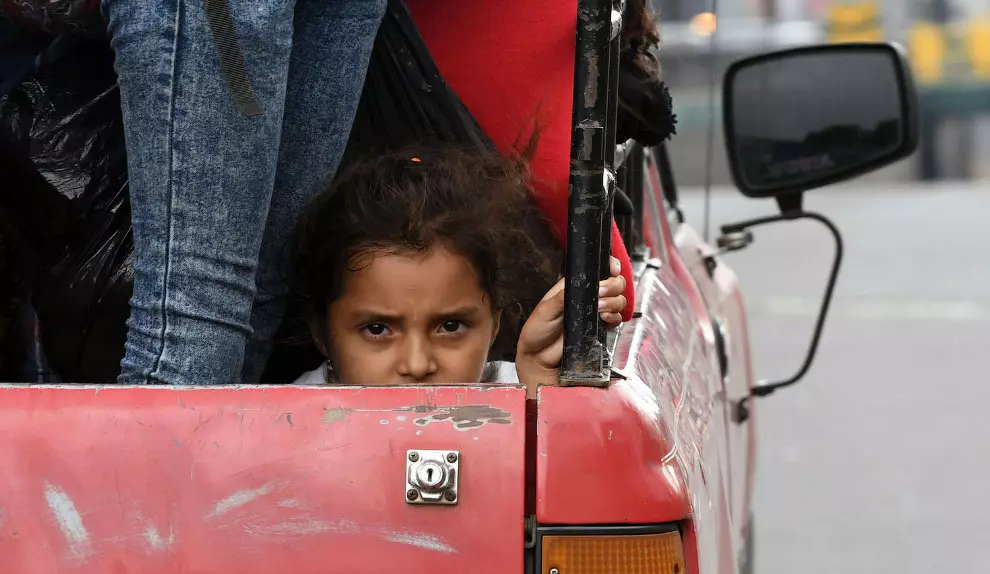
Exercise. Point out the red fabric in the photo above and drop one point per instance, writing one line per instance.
(512, 62)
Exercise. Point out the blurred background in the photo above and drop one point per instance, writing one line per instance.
(877, 461)
(948, 40)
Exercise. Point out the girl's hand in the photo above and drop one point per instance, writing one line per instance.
(541, 342)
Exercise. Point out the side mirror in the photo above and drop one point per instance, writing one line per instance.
(803, 118)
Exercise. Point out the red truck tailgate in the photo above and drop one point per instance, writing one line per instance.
(265, 479)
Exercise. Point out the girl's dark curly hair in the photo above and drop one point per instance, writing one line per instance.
(640, 38)
(478, 205)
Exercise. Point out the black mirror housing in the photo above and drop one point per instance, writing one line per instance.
(803, 118)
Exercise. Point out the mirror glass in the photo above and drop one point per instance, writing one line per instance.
(804, 117)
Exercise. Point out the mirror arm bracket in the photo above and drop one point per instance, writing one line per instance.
(789, 213)
(790, 203)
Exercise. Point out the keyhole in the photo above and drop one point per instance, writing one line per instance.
(431, 475)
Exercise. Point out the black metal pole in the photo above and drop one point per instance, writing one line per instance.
(611, 112)
(582, 359)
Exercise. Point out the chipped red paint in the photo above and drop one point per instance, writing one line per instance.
(255, 480)
(655, 446)
(724, 300)
(650, 448)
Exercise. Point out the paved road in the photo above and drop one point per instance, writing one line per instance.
(880, 460)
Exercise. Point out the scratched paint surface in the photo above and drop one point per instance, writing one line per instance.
(652, 451)
(255, 480)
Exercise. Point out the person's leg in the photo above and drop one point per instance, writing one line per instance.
(203, 90)
(331, 47)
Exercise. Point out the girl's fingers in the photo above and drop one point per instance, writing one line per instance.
(556, 289)
(610, 298)
(555, 352)
(614, 266)
(612, 319)
(612, 304)
(612, 286)
(551, 307)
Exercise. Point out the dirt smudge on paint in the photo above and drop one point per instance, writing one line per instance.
(335, 414)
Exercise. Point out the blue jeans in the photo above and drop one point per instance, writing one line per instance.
(236, 114)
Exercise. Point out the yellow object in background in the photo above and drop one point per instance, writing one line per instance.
(928, 46)
(854, 22)
(978, 47)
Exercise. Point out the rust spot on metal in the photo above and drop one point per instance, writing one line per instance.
(468, 416)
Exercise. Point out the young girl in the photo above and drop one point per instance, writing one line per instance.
(412, 264)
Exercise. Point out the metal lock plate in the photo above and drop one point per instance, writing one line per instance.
(431, 476)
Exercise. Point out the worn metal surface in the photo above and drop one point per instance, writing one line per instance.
(255, 480)
(720, 287)
(587, 194)
(655, 448)
(653, 451)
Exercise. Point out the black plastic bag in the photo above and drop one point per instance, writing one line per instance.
(405, 99)
(65, 187)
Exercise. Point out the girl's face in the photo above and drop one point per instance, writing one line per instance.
(417, 318)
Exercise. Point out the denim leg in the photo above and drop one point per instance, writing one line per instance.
(202, 173)
(331, 47)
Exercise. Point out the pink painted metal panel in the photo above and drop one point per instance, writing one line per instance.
(255, 480)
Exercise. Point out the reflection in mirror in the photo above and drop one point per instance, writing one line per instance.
(808, 116)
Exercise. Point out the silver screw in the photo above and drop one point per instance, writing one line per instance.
(452, 457)
(554, 571)
(413, 456)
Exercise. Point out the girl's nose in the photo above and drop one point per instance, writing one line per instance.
(417, 361)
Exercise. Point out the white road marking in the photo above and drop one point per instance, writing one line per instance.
(896, 309)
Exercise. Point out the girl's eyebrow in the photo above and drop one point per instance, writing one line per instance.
(468, 311)
(372, 316)
(369, 316)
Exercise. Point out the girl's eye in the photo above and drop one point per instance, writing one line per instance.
(452, 326)
(376, 329)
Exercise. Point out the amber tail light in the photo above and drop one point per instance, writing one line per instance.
(603, 553)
